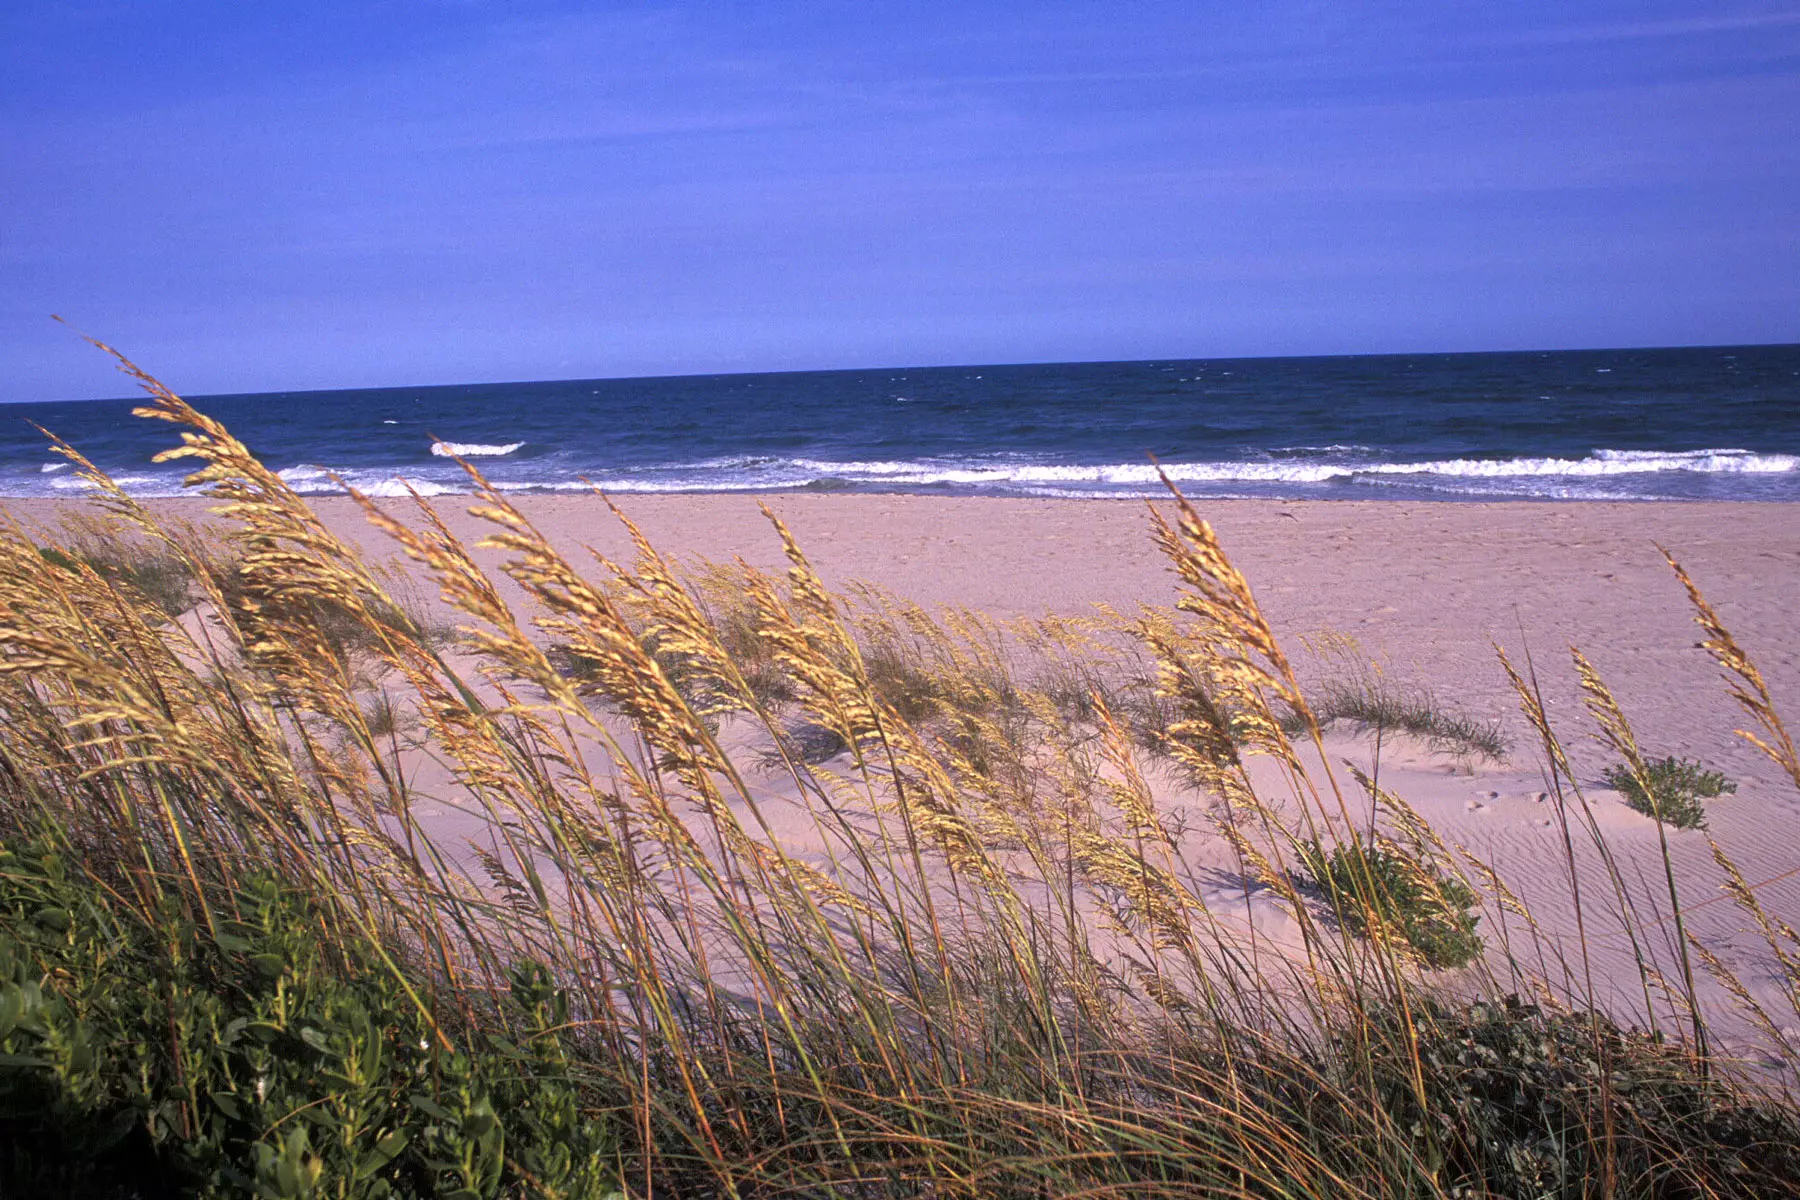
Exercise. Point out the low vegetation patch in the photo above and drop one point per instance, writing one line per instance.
(1510, 1089)
(1378, 886)
(1388, 709)
(1355, 691)
(147, 1051)
(1671, 790)
(350, 637)
(153, 572)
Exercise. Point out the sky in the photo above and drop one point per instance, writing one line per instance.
(279, 196)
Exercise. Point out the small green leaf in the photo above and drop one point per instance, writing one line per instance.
(384, 1152)
(429, 1107)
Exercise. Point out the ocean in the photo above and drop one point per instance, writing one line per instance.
(1718, 423)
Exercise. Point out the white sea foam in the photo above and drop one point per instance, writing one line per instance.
(1542, 477)
(1603, 474)
(473, 449)
(396, 487)
(1599, 463)
(137, 485)
(1603, 462)
(309, 479)
(51, 468)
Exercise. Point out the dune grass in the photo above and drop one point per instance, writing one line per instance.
(1416, 713)
(1356, 692)
(147, 569)
(987, 972)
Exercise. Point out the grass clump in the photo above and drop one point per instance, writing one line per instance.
(1357, 692)
(148, 570)
(351, 634)
(1380, 706)
(1670, 789)
(146, 1050)
(1379, 887)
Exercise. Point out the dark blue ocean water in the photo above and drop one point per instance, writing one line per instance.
(1719, 423)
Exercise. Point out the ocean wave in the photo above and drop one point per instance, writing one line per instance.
(473, 449)
(1602, 462)
(979, 473)
(51, 468)
(1342, 471)
(137, 485)
(308, 479)
(1545, 477)
(399, 487)
(1599, 463)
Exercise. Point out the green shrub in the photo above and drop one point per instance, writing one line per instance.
(142, 1055)
(1428, 909)
(1524, 1101)
(1677, 786)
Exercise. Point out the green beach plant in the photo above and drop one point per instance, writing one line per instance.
(146, 1053)
(1416, 713)
(1670, 789)
(1379, 886)
(1357, 692)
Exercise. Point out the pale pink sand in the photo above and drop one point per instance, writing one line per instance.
(1426, 589)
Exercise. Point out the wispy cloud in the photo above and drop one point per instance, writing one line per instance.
(1640, 30)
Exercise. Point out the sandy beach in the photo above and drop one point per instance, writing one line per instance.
(1427, 591)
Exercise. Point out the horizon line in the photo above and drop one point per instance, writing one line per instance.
(950, 366)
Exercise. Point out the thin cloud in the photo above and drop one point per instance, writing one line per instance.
(1638, 30)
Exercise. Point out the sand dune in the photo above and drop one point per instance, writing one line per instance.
(1426, 591)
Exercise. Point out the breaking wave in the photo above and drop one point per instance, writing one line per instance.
(473, 449)
(1326, 472)
(1302, 473)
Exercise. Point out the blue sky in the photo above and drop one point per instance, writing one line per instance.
(278, 195)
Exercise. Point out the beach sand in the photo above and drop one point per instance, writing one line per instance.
(1426, 590)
